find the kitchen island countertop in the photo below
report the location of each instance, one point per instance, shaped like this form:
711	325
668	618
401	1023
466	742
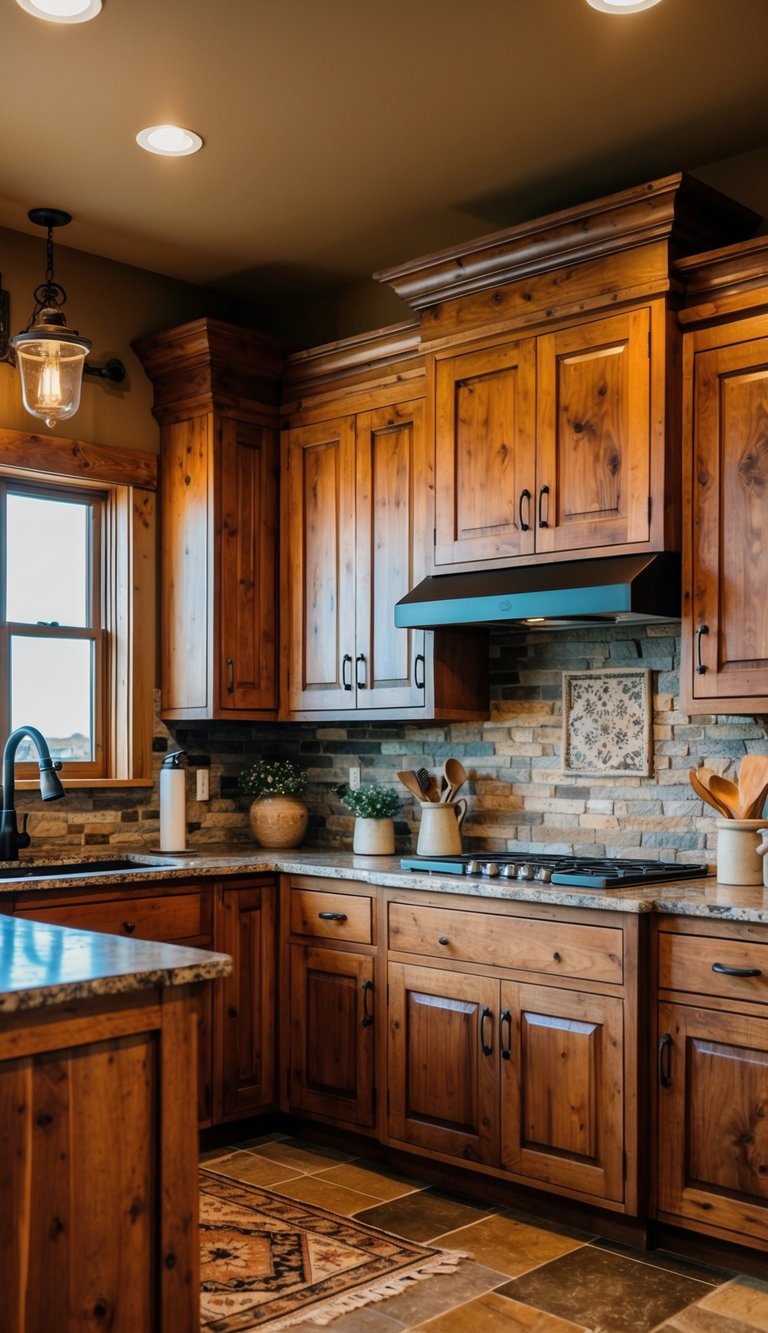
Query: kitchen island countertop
703	897
42	966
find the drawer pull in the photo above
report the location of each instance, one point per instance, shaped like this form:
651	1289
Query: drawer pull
506	1051
332	916
485	1013
129	927
543	522
665	1060
726	971
524	495
700	667
366	988
443	940
346	661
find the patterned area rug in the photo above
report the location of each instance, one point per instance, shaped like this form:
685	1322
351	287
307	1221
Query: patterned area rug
269	1261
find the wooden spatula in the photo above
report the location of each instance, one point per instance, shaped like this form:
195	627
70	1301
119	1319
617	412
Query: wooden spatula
411	783
753	779
727	794
703	792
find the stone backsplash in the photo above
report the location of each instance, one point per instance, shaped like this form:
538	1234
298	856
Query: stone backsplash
516	790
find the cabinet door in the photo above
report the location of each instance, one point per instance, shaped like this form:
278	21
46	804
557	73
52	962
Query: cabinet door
247	590
319	556
726	604
485	454
391	540
331	1007
444	1062
562	1088
245	1002
713	1119
593	474
186	567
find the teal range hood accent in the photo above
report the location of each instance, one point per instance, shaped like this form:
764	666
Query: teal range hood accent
634	589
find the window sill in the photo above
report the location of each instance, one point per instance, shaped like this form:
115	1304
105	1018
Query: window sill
82	784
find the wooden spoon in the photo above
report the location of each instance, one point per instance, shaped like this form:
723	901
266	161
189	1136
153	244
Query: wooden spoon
704	793
753	777
455	776
728	794
411	783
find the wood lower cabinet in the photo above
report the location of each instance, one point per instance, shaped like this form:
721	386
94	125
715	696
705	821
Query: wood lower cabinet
237	1014
244	1050
512	1043
329	1019
443	1062
170	914
713	1079
356	538
216	399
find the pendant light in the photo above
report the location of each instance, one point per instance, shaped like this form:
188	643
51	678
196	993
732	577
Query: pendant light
51	356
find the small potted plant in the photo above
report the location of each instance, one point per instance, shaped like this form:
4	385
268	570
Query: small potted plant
278	815
374	806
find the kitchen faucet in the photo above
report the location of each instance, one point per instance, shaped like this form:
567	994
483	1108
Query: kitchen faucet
50	790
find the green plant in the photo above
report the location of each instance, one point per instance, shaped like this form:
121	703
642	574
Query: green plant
372	801
273	777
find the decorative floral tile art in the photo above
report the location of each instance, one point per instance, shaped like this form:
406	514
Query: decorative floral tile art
607	722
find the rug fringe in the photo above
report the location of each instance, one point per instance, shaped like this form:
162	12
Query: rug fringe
444	1262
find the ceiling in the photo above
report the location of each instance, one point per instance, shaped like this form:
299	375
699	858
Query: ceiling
342	136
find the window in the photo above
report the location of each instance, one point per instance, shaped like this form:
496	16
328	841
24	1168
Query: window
51	637
77	607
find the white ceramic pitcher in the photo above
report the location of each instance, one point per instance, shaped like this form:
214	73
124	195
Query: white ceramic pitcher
440	828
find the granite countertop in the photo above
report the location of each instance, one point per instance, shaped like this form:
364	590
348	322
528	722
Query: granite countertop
42	966
694	897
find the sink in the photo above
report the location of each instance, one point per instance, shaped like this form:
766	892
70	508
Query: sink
108	866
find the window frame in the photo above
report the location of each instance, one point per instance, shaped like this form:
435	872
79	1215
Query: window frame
125	484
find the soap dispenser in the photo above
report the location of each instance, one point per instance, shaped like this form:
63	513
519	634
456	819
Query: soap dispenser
173	791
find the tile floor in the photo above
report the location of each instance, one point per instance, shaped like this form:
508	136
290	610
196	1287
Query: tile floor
524	1274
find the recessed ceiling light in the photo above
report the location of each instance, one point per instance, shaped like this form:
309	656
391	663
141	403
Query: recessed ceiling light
62	11
169	140
622	6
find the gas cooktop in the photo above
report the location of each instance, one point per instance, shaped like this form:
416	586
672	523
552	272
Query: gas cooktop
586	872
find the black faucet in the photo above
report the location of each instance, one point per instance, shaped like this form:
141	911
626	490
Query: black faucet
50	790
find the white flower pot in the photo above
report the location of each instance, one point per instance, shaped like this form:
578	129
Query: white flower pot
373	837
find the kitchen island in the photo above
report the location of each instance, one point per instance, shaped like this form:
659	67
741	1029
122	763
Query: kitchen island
98	1173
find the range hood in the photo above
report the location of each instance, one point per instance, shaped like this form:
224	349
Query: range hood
609	590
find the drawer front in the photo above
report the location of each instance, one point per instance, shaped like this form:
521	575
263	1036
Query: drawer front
331	916
176	917
695	963
561	949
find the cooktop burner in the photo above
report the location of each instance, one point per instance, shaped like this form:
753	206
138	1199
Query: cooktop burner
588	872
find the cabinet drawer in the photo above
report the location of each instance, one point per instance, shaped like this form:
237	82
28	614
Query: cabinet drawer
688	962
559	948
175	917
331	916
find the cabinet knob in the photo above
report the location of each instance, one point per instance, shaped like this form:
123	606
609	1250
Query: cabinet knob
129	927
443	939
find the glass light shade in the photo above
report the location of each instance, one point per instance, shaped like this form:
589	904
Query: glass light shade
51	376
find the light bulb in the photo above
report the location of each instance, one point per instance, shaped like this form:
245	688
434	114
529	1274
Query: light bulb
62	11
169	140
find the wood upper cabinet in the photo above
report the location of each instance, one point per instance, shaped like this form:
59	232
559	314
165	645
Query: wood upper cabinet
216	399
713	1078
543	445
357	532
725	610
